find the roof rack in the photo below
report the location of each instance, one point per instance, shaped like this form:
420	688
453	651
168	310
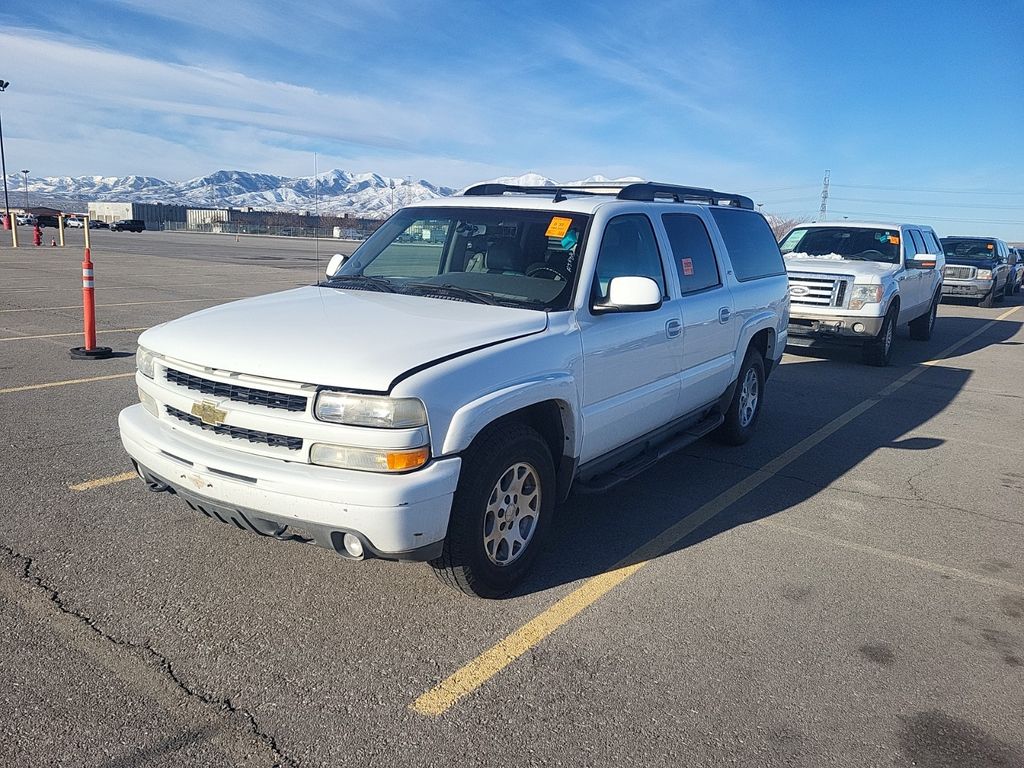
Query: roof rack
643	191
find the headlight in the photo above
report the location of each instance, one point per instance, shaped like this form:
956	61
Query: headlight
865	294
984	274
370	410
144	362
368	459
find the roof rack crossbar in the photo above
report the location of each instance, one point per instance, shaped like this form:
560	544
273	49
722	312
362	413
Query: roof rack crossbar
641	191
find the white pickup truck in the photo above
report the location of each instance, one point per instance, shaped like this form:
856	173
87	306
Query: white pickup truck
443	390
855	283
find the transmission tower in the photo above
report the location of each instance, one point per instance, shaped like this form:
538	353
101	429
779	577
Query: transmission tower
824	196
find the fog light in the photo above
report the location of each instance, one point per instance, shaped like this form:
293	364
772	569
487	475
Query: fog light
149	403
353	545
858	327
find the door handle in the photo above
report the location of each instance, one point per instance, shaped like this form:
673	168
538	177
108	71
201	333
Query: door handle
673	328
724	314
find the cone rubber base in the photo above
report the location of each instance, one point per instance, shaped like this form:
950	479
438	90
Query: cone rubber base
96	353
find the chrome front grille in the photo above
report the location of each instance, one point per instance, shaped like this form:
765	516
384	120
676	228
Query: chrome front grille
237	393
959	272
238	433
812	290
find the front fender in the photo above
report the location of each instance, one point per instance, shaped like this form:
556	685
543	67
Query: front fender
470	419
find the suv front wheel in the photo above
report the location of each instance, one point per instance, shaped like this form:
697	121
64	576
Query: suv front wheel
502	508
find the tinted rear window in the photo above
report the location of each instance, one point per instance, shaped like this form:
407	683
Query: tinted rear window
751	244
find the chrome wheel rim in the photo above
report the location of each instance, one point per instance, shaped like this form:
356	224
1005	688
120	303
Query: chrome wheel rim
512	512
748	397
888	337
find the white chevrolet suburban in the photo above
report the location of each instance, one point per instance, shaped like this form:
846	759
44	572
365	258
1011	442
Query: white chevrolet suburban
855	283
440	393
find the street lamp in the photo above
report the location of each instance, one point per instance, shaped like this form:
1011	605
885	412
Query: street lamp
25	173
3	164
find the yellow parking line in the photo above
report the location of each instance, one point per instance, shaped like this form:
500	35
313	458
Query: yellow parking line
100	482
64	383
72	333
470	677
125	304
15	291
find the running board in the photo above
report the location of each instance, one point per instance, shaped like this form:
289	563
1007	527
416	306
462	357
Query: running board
633	467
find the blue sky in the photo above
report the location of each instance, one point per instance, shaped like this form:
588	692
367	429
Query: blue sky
917	108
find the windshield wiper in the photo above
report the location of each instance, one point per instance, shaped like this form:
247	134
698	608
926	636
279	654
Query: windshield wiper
477	297
361	282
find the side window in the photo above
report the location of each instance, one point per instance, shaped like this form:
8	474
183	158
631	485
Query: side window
627	248
919	245
692	252
909	248
931	242
751	244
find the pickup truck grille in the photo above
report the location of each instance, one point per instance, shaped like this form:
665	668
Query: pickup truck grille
958	272
236	392
818	290
238	433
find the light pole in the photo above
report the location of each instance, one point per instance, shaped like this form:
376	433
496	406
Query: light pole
24	172
3	164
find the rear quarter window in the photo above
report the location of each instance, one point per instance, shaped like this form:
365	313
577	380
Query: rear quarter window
750	242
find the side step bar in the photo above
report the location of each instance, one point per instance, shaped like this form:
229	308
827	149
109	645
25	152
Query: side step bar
633	467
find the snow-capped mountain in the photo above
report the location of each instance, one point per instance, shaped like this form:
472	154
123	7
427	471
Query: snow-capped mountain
333	192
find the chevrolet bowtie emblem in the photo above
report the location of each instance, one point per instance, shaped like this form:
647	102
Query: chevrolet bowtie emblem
209	413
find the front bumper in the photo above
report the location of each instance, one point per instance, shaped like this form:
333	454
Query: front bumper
968	288
825	327
400	517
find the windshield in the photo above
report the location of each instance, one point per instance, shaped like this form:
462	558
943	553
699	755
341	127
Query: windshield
509	257
843	243
969	248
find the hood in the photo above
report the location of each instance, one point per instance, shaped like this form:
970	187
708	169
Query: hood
979	263
862	271
348	339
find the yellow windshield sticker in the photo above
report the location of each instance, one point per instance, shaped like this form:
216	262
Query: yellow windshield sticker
558	227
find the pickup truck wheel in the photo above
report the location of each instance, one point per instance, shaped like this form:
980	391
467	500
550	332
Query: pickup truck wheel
989	300
745	407
878	351
921	327
502	508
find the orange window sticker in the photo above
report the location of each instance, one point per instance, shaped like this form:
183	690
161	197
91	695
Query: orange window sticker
990	247
558	227
894	239
687	265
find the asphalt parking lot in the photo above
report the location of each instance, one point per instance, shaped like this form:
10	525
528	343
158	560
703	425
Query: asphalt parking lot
847	589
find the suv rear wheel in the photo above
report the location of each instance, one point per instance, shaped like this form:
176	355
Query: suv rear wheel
502	508
745	408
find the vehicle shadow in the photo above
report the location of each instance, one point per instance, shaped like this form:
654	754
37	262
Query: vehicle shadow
593	533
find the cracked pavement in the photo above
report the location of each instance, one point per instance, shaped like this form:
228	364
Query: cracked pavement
862	607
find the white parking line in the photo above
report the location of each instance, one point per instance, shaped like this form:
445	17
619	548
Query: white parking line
169	284
127	304
70	333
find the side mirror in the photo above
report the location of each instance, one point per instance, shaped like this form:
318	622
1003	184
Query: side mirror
631	294
337	262
922	261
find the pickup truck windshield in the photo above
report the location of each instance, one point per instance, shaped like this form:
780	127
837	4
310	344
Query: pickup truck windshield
843	243
969	248
514	258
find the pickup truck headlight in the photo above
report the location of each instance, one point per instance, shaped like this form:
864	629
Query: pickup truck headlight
368	459
144	362
370	410
865	294
984	274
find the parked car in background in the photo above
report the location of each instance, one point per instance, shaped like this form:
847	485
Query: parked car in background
976	268
98	224
1016	269
47	221
854	283
74	222
128	225
551	339
25	219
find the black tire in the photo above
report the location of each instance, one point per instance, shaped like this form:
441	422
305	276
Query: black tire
921	327
465	563
989	300
739	421
878	351
1001	296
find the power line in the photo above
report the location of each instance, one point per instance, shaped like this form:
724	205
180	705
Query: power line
936	191
926	202
908	216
